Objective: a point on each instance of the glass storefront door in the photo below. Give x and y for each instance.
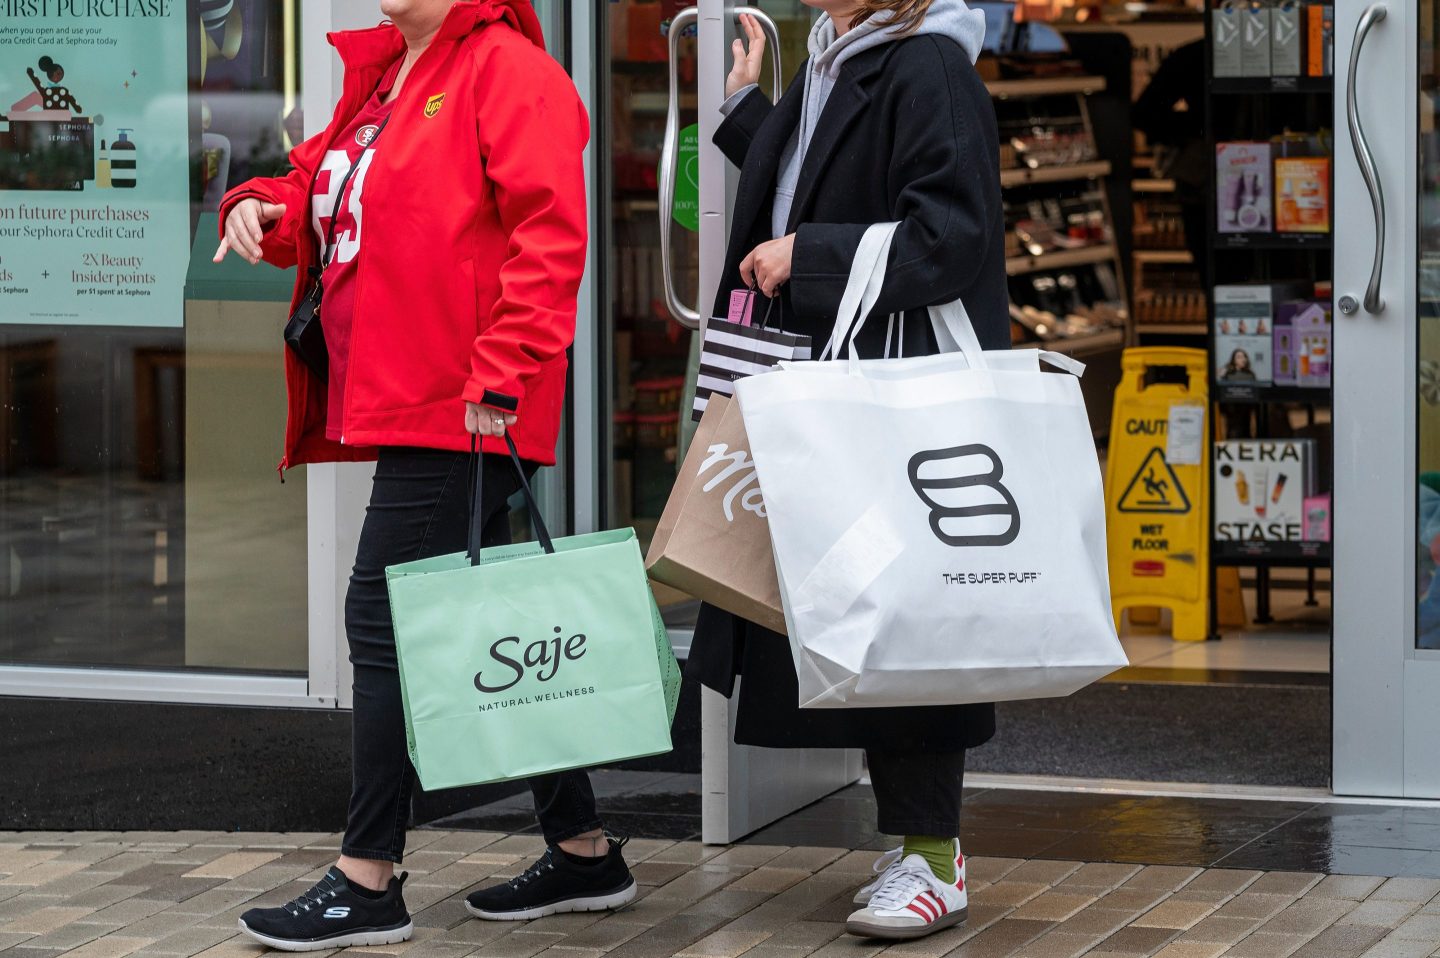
(663, 70)
(1387, 398)
(142, 525)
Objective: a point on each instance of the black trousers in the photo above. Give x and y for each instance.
(917, 793)
(419, 507)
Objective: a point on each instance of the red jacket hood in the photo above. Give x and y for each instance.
(380, 45)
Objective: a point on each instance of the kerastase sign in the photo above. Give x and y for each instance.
(94, 170)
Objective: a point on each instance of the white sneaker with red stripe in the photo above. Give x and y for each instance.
(890, 859)
(910, 902)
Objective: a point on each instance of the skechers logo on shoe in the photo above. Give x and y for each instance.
(546, 654)
(339, 911)
(959, 517)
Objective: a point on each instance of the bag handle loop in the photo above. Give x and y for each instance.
(954, 332)
(477, 511)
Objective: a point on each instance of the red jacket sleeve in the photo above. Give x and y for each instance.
(533, 130)
(278, 246)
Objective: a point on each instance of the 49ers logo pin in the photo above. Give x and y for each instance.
(432, 105)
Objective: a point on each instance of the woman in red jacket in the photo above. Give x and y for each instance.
(443, 212)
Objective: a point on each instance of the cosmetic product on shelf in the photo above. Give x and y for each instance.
(1225, 29)
(1242, 195)
(1255, 39)
(1312, 345)
(1287, 29)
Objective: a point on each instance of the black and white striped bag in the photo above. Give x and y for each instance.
(733, 351)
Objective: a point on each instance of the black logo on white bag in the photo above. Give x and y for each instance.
(968, 506)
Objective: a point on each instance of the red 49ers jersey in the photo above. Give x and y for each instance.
(337, 308)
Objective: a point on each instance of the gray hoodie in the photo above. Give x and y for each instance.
(828, 53)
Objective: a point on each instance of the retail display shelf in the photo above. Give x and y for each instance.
(1273, 241)
(1240, 86)
(1045, 86)
(1148, 184)
(1017, 265)
(1173, 329)
(1270, 553)
(1251, 393)
(1054, 174)
(1081, 345)
(1178, 257)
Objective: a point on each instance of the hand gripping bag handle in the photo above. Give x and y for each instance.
(477, 512)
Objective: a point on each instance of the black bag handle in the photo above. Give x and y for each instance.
(770, 303)
(477, 512)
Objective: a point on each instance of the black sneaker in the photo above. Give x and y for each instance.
(556, 884)
(332, 915)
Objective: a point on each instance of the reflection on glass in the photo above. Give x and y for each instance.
(651, 354)
(1427, 414)
(141, 522)
(649, 351)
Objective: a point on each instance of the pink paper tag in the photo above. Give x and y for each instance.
(742, 305)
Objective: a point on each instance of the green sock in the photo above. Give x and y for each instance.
(938, 852)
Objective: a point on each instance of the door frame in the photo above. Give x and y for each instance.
(1386, 691)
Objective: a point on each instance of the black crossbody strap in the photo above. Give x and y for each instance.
(328, 253)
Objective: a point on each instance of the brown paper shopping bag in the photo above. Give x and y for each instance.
(713, 540)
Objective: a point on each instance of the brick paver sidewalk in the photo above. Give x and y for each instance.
(103, 895)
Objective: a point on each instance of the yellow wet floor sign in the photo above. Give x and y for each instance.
(1156, 488)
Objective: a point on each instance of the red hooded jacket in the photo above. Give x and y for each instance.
(473, 247)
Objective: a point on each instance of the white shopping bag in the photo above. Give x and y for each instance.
(938, 522)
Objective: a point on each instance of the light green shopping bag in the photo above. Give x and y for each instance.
(542, 657)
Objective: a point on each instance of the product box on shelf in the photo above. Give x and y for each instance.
(1319, 40)
(1302, 194)
(1225, 23)
(1255, 39)
(1260, 489)
(1242, 195)
(1313, 341)
(1317, 518)
(1282, 345)
(1287, 26)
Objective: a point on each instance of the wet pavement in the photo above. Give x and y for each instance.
(1333, 838)
(108, 895)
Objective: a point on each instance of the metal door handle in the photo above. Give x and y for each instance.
(1373, 14)
(685, 315)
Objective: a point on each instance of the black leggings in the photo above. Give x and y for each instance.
(418, 509)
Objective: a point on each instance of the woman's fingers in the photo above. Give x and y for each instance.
(239, 235)
(757, 41)
(250, 216)
(221, 250)
(747, 269)
(235, 240)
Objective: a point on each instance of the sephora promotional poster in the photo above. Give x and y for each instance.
(94, 143)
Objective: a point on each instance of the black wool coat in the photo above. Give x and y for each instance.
(907, 135)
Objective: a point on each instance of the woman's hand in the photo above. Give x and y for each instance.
(245, 228)
(747, 62)
(768, 265)
(487, 420)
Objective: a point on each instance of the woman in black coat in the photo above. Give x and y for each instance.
(887, 121)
